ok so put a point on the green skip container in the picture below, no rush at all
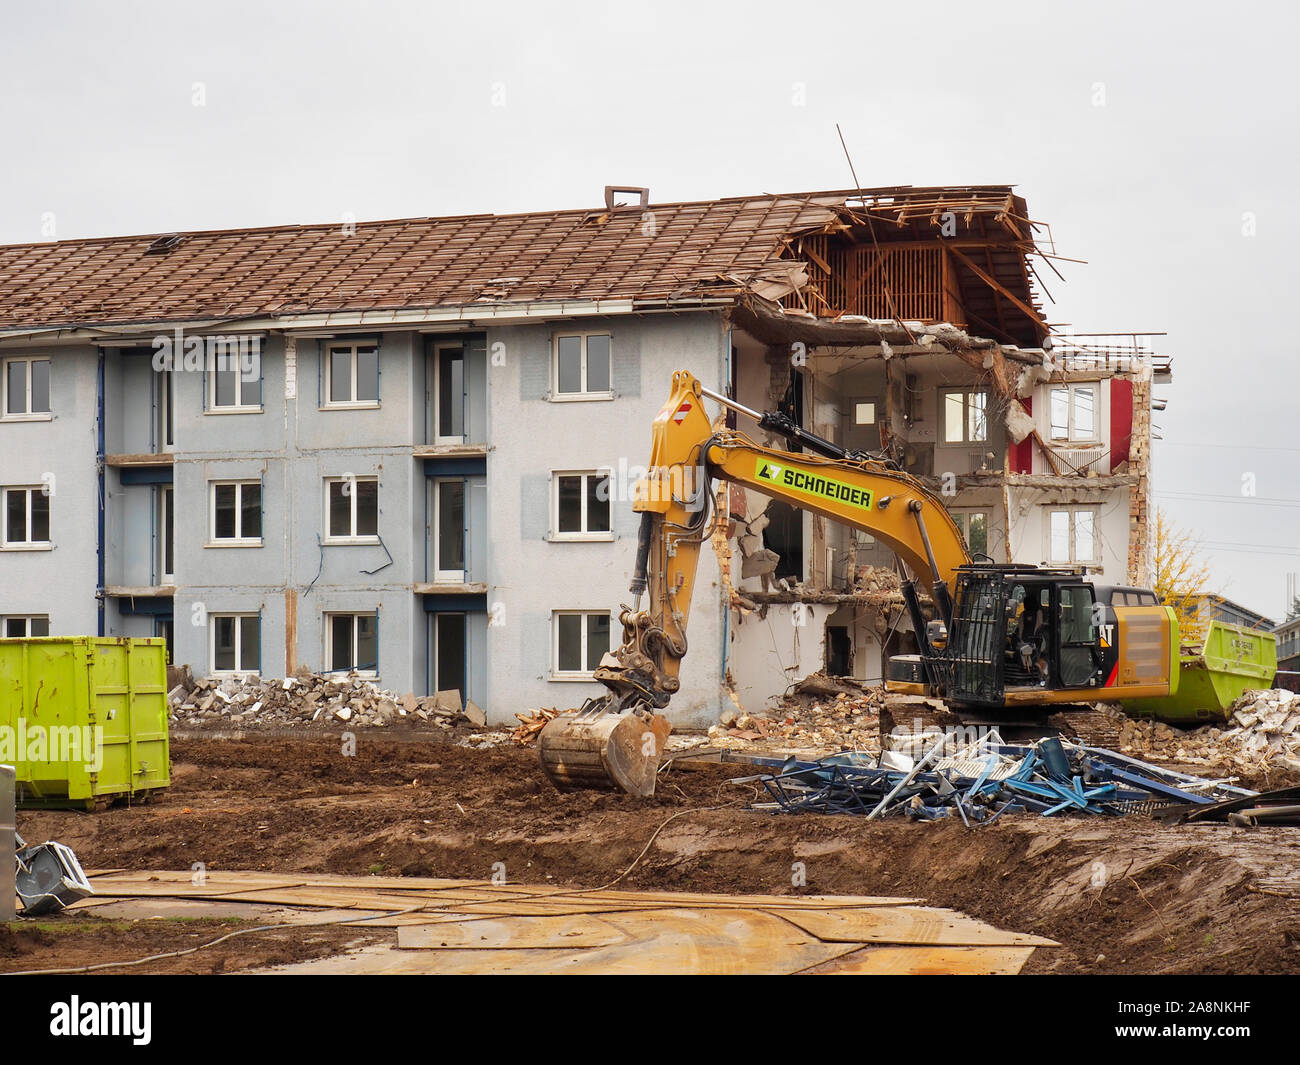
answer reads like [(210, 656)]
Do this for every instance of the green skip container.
[(83, 719), (1232, 661)]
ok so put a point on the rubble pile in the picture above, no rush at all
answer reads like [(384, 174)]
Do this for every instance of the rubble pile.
[(819, 713), (1262, 733), (308, 699)]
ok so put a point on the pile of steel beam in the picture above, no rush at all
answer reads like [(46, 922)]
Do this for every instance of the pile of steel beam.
[(981, 781)]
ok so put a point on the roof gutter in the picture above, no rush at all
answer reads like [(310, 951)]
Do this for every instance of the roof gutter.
[(397, 318)]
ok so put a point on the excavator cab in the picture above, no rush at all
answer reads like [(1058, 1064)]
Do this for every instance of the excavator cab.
[(1017, 630)]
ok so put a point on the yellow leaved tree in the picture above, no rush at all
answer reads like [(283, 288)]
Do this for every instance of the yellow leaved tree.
[(1181, 576)]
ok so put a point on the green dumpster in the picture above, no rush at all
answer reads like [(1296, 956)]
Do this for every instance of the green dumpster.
[(83, 719), (1231, 661)]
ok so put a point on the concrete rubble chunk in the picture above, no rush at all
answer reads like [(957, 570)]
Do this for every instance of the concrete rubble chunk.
[(306, 698)]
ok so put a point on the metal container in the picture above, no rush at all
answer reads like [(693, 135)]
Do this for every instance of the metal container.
[(1231, 661), (7, 843), (83, 719)]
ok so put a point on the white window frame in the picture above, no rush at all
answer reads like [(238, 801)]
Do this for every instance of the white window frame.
[(1051, 509), (166, 544), (329, 617), (583, 393), (26, 414), (27, 620), (558, 674), (349, 404), (962, 519), (449, 576), (239, 406), (29, 544), (966, 394), (238, 671), (353, 537), (1071, 438), (584, 535), (238, 540), (438, 349)]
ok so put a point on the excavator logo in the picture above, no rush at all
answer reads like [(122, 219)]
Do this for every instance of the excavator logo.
[(814, 484)]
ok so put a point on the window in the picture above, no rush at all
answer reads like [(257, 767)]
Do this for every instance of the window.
[(449, 394), (449, 526), (235, 377), (352, 375), (1074, 413), (19, 626), (581, 506), (864, 412), (352, 509), (236, 643), (166, 534), (26, 517), (26, 387), (236, 512), (974, 526), (582, 365), (352, 642), (164, 406), (1072, 535), (581, 639), (965, 417)]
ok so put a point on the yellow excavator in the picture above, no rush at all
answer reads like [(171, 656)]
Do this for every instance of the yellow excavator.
[(1001, 641)]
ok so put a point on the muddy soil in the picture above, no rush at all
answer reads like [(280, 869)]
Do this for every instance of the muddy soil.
[(1123, 895)]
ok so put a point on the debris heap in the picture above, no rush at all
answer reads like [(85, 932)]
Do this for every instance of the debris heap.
[(1262, 734), (820, 713), (307, 700), (979, 782)]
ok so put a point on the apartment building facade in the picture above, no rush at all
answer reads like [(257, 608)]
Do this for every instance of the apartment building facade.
[(409, 449)]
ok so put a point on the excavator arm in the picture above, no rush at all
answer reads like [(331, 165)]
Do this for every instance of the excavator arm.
[(615, 739)]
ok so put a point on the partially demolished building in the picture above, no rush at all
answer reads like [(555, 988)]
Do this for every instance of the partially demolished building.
[(420, 465)]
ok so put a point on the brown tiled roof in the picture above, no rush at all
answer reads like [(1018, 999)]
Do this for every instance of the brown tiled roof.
[(410, 263), (679, 250)]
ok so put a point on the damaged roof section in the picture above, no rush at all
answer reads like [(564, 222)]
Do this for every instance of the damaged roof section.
[(832, 254)]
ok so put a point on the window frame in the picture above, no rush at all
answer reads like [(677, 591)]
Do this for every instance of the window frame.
[(329, 347), (584, 535), (354, 537), (1072, 511), (328, 626), (583, 394), (239, 406), (166, 539), (29, 544), (26, 414), (240, 617), (438, 349), (586, 674), (961, 518), (966, 392), (27, 620), (237, 540), (1070, 439), (442, 576)]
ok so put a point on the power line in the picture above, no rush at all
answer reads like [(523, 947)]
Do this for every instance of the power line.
[(1259, 501)]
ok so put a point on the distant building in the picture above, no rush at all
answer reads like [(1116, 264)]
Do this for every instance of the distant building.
[(1217, 608)]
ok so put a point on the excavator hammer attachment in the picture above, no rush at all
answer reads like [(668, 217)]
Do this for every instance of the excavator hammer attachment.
[(598, 747)]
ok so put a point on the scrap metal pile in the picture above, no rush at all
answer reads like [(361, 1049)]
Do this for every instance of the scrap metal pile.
[(978, 782)]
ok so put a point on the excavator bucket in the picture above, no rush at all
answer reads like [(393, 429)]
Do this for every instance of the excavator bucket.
[(596, 749)]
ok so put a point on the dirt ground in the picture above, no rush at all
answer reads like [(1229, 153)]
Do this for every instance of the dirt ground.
[(1123, 895)]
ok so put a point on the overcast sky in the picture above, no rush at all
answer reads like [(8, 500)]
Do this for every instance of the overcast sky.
[(1160, 145)]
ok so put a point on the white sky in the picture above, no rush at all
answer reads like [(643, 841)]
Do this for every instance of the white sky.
[(389, 110)]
